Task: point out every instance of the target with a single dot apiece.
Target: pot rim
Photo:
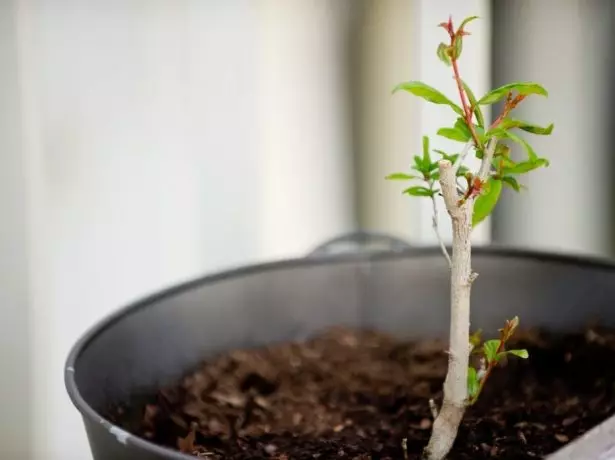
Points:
(491, 250)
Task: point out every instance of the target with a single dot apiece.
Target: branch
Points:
(464, 154)
(466, 108)
(451, 412)
(437, 231)
(485, 166)
(448, 184)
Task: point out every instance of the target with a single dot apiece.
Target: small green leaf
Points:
(538, 129)
(525, 88)
(462, 171)
(508, 123)
(426, 158)
(401, 176)
(420, 165)
(428, 93)
(502, 150)
(528, 148)
(473, 383)
(462, 126)
(520, 353)
(458, 47)
(466, 21)
(454, 134)
(475, 338)
(419, 191)
(480, 119)
(487, 200)
(443, 54)
(512, 183)
(490, 348)
(445, 156)
(525, 166)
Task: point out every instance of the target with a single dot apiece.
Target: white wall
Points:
(567, 206)
(15, 337)
(304, 124)
(386, 125)
(145, 165)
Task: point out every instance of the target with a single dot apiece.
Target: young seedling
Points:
(469, 197)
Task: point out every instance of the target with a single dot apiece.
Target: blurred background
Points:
(147, 142)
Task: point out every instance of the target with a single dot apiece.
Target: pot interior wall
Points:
(164, 336)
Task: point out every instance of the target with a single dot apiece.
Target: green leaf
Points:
(426, 158)
(454, 134)
(487, 200)
(473, 383)
(512, 183)
(490, 348)
(523, 354)
(475, 338)
(462, 171)
(420, 165)
(528, 148)
(509, 123)
(401, 176)
(525, 88)
(502, 150)
(525, 166)
(428, 93)
(443, 54)
(462, 126)
(419, 191)
(480, 119)
(520, 353)
(458, 47)
(445, 156)
(466, 21)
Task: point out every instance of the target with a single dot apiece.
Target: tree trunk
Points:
(453, 407)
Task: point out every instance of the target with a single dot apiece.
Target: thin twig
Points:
(485, 166)
(437, 231)
(464, 153)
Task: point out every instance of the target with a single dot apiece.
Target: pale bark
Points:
(446, 424)
(455, 385)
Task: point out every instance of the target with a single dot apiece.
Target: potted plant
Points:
(344, 355)
(468, 205)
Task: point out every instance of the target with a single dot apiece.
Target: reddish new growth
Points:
(453, 54)
(493, 352)
(509, 105)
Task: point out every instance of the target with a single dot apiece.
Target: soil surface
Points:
(356, 395)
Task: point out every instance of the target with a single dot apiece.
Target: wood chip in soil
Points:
(349, 394)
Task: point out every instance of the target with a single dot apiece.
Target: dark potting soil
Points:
(356, 395)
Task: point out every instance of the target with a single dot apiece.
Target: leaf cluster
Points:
(470, 128)
(491, 352)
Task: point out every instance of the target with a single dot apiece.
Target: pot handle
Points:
(359, 242)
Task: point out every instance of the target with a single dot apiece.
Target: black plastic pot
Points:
(381, 283)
